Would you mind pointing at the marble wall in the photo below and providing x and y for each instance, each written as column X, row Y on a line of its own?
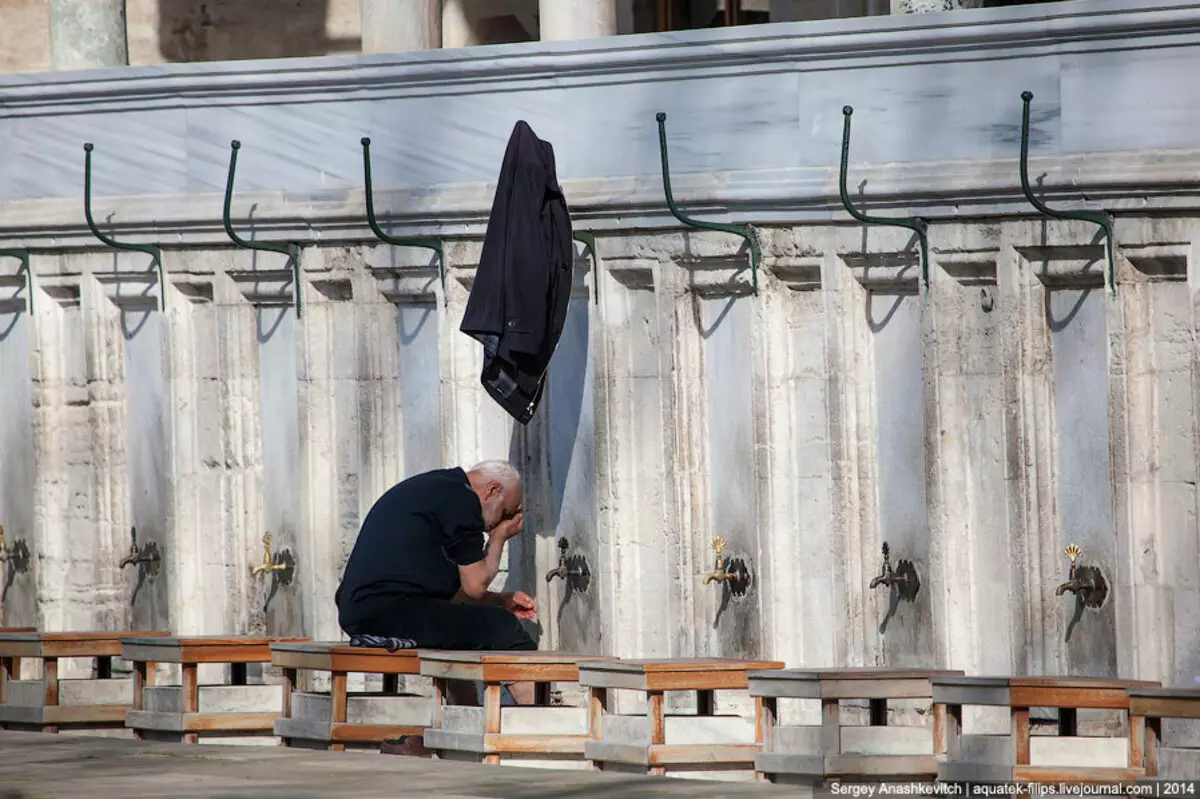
column 977, row 424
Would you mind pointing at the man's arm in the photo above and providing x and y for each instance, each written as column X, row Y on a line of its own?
column 477, row 576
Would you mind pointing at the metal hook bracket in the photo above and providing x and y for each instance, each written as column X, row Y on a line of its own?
column 292, row 251
column 425, row 242
column 150, row 249
column 588, row 240
column 745, row 231
column 1101, row 218
column 919, row 226
column 23, row 269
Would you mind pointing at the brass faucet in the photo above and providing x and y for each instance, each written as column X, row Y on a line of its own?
column 1085, row 582
column 719, row 573
column 267, row 565
column 905, row 578
column 134, row 557
column 563, row 570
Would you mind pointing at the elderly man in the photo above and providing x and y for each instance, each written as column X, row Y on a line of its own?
column 421, row 545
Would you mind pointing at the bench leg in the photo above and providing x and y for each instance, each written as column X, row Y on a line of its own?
column 337, row 690
column 391, row 683
column 104, row 668
column 831, row 728
column 1137, row 741
column 491, row 716
column 50, row 684
column 1153, row 736
column 7, row 672
column 1020, row 733
column 947, row 727
column 289, row 685
column 191, row 697
column 658, row 729
column 597, row 707
column 765, row 712
column 877, row 709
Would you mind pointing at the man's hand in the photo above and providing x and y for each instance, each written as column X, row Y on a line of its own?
column 509, row 528
column 519, row 604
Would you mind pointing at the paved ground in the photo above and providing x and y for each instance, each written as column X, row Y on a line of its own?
column 45, row 766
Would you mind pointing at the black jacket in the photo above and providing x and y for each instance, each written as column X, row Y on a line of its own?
column 518, row 303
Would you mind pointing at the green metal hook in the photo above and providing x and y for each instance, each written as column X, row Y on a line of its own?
column 920, row 226
column 588, row 240
column 1101, row 218
column 150, row 249
column 23, row 257
column 745, row 231
column 415, row 241
column 292, row 251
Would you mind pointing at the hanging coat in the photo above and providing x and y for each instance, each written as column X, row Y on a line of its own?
column 518, row 302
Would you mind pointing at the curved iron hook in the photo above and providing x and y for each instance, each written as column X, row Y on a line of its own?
column 415, row 241
column 920, row 226
column 745, row 231
column 150, row 249
column 292, row 251
column 1101, row 218
column 23, row 257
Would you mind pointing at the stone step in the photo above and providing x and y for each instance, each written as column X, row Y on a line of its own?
column 31, row 693
column 364, row 708
column 215, row 699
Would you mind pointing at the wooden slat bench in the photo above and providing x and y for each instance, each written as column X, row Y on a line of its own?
column 1156, row 704
column 190, row 711
column 528, row 735
column 51, row 704
column 834, row 751
column 339, row 718
column 641, row 742
column 992, row 758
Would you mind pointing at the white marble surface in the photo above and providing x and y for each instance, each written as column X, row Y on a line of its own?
column 930, row 88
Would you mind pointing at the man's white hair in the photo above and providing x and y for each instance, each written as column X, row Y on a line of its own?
column 500, row 471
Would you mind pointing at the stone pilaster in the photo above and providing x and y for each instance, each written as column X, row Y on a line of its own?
column 393, row 26
column 560, row 20
column 87, row 34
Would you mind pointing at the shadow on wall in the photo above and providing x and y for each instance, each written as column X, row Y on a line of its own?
column 224, row 30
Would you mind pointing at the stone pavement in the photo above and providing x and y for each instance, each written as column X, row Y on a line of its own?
column 45, row 766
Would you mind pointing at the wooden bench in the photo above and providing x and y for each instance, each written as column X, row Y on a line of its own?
column 535, row 734
column 339, row 718
column 51, row 704
column 832, row 750
column 1155, row 704
column 1004, row 758
column 191, row 710
column 642, row 741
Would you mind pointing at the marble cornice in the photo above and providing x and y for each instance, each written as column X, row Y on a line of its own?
column 1126, row 184
column 1004, row 33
